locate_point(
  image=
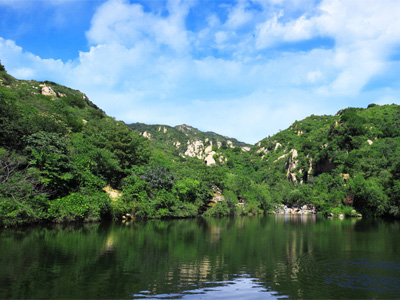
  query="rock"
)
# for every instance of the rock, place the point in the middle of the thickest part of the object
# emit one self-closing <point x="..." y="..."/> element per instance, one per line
<point x="113" y="194"/>
<point x="194" y="149"/>
<point x="292" y="164"/>
<point x="48" y="91"/>
<point x="230" y="144"/>
<point x="304" y="207"/>
<point x="146" y="135"/>
<point x="208" y="149"/>
<point x="345" y="177"/>
<point x="209" y="160"/>
<point x="280" y="157"/>
<point x="222" y="159"/>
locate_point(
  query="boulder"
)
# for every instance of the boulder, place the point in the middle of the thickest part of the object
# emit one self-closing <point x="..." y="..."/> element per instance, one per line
<point x="48" y="91"/>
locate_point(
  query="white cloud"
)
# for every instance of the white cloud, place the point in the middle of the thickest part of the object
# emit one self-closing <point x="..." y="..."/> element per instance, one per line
<point x="25" y="65"/>
<point x="239" y="15"/>
<point x="145" y="65"/>
<point x="118" y="21"/>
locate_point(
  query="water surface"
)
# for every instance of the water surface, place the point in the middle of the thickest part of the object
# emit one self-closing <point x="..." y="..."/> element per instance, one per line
<point x="263" y="257"/>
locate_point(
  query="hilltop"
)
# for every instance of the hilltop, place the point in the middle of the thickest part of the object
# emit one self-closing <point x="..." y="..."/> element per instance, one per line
<point x="187" y="141"/>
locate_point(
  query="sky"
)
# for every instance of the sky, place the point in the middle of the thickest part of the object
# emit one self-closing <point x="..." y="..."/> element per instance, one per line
<point x="244" y="69"/>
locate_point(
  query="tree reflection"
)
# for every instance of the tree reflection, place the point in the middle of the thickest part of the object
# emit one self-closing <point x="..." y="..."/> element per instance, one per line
<point x="301" y="256"/>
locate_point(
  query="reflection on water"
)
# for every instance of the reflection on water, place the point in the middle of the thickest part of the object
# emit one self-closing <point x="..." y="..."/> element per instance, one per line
<point x="295" y="256"/>
<point x="242" y="287"/>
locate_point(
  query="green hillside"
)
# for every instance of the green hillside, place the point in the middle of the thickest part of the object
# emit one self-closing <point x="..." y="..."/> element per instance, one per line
<point x="57" y="153"/>
<point x="62" y="159"/>
<point x="342" y="161"/>
<point x="186" y="141"/>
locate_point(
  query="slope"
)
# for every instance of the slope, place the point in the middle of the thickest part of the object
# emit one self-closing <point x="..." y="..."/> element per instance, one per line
<point x="186" y="141"/>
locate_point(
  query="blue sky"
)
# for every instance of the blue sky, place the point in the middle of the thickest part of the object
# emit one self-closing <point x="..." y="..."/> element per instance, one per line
<point x="245" y="68"/>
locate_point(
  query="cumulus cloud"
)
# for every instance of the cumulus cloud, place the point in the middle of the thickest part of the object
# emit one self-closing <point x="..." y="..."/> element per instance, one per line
<point x="244" y="74"/>
<point x="26" y="65"/>
<point x="118" y="21"/>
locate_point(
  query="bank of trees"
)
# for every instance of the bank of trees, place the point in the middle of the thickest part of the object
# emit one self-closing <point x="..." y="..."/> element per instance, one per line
<point x="58" y="153"/>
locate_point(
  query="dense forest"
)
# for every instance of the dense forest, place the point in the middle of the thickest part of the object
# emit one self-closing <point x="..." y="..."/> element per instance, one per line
<point x="63" y="159"/>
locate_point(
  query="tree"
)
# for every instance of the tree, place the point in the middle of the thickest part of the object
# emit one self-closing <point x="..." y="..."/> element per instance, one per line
<point x="20" y="190"/>
<point x="49" y="153"/>
<point x="369" y="198"/>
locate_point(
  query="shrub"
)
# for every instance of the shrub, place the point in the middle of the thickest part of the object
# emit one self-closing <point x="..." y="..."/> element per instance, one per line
<point x="79" y="207"/>
<point x="218" y="210"/>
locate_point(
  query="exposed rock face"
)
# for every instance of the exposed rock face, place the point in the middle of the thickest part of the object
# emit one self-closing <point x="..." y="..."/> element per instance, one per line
<point x="217" y="195"/>
<point x="209" y="148"/>
<point x="146" y="135"/>
<point x="292" y="164"/>
<point x="177" y="144"/>
<point x="114" y="194"/>
<point x="280" y="157"/>
<point x="48" y="91"/>
<point x="209" y="160"/>
<point x="194" y="149"/>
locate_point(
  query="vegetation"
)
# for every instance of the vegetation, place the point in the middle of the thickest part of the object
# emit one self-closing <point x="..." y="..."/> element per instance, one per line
<point x="62" y="159"/>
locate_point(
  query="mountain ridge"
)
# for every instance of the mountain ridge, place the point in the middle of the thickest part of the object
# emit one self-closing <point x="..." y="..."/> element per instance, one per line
<point x="63" y="159"/>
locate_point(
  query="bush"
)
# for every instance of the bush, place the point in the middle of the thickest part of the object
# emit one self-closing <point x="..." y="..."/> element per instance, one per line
<point x="369" y="197"/>
<point x="218" y="210"/>
<point x="79" y="207"/>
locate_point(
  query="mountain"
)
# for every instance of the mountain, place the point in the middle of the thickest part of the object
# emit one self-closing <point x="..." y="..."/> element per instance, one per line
<point x="186" y="141"/>
<point x="63" y="159"/>
<point x="59" y="154"/>
<point x="350" y="159"/>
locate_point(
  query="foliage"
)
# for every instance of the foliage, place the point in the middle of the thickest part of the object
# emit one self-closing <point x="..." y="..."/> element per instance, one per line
<point x="59" y="152"/>
<point x="21" y="193"/>
<point x="79" y="207"/>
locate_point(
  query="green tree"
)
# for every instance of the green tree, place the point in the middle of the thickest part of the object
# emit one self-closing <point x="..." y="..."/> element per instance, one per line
<point x="369" y="198"/>
<point x="49" y="153"/>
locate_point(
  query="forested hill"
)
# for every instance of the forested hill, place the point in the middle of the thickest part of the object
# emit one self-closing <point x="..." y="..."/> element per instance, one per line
<point x="186" y="141"/>
<point x="348" y="160"/>
<point x="62" y="159"/>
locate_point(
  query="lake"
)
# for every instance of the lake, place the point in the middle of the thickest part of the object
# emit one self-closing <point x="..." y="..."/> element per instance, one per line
<point x="260" y="257"/>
